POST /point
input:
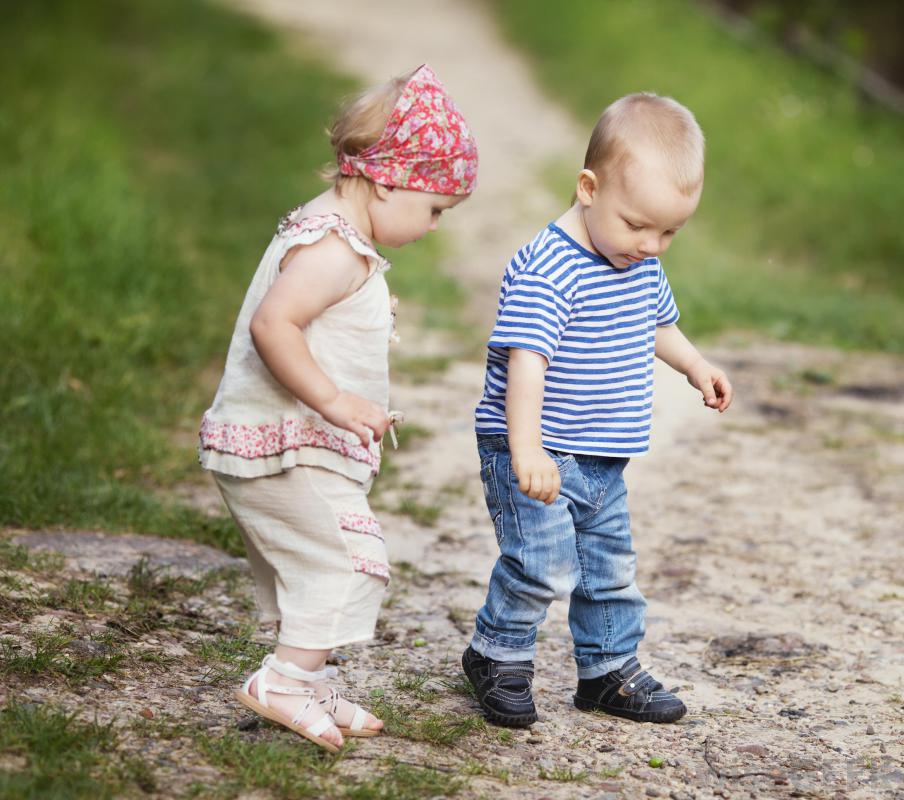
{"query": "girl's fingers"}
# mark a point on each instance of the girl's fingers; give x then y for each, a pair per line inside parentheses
(362, 432)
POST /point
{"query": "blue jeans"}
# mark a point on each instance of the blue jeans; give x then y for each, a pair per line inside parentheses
(578, 546)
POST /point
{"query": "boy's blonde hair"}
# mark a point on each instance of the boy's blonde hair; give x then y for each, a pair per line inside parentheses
(648, 119)
(361, 122)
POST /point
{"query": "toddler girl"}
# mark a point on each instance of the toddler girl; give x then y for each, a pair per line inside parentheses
(293, 436)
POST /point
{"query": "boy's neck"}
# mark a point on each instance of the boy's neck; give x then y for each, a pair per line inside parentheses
(572, 222)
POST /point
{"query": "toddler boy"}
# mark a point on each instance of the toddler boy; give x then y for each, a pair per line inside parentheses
(583, 309)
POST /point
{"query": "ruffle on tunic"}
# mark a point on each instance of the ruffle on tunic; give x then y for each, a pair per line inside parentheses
(250, 451)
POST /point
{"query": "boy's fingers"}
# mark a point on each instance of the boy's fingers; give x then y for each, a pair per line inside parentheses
(709, 393)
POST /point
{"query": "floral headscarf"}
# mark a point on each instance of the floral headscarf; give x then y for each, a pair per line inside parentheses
(426, 144)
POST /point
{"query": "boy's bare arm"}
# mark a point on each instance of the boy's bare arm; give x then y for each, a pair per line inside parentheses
(673, 347)
(538, 475)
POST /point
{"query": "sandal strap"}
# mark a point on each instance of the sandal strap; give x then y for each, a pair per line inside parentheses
(332, 699)
(359, 717)
(289, 670)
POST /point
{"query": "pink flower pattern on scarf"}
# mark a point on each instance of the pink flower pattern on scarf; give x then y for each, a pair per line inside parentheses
(426, 144)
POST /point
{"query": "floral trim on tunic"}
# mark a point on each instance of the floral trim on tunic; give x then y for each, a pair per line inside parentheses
(360, 523)
(290, 226)
(273, 439)
(371, 567)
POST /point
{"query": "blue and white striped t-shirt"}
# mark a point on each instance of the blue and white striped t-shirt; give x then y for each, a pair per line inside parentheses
(596, 326)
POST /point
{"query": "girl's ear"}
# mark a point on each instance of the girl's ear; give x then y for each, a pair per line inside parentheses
(382, 191)
(587, 187)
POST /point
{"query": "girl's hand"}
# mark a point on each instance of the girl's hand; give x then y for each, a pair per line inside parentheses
(712, 382)
(355, 414)
(538, 476)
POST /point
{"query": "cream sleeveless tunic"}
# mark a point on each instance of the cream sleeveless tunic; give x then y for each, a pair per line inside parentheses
(257, 427)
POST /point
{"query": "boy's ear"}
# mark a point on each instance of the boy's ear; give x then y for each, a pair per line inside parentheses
(382, 191)
(587, 187)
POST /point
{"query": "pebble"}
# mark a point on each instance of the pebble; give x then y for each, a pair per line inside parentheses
(146, 713)
(870, 730)
(654, 791)
(248, 724)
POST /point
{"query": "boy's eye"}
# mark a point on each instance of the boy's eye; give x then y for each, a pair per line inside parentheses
(632, 226)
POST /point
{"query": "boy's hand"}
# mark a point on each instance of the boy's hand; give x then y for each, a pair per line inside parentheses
(355, 414)
(538, 475)
(712, 382)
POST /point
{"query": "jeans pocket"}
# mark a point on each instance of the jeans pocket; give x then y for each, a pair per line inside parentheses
(491, 493)
(564, 461)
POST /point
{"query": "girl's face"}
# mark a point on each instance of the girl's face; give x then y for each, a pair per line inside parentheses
(401, 216)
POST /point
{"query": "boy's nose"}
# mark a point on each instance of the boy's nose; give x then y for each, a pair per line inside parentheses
(651, 246)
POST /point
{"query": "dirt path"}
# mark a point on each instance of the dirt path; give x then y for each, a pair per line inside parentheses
(769, 540)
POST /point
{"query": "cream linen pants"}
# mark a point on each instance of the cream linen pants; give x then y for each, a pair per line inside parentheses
(316, 552)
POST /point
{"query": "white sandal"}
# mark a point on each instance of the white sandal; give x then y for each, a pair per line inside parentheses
(356, 728)
(260, 705)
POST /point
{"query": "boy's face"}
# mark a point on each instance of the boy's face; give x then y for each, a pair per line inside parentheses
(634, 214)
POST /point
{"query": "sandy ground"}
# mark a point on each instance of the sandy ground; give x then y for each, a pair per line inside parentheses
(769, 539)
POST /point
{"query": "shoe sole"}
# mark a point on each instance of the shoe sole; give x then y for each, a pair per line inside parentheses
(249, 702)
(635, 716)
(506, 720)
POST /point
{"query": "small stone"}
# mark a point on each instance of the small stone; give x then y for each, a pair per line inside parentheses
(654, 791)
(534, 740)
(754, 749)
(248, 724)
(870, 730)
(146, 713)
(546, 763)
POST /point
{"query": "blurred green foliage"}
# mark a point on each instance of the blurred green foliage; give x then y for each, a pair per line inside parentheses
(147, 151)
(870, 31)
(798, 232)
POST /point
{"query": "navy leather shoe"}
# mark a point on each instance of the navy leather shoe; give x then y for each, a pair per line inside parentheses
(629, 692)
(503, 688)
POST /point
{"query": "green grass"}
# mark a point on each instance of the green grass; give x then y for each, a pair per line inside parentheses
(288, 769)
(48, 654)
(164, 140)
(57, 757)
(798, 232)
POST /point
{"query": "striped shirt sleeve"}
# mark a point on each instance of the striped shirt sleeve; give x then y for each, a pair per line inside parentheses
(532, 316)
(666, 310)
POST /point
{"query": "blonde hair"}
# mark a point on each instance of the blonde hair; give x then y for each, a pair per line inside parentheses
(361, 122)
(648, 119)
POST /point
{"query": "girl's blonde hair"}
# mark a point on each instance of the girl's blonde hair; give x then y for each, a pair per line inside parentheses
(361, 122)
(648, 119)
